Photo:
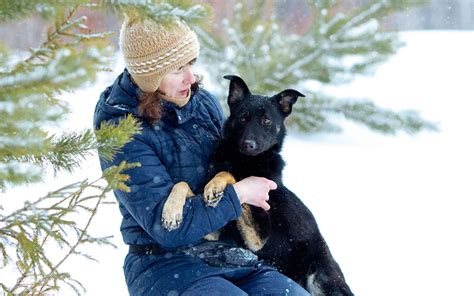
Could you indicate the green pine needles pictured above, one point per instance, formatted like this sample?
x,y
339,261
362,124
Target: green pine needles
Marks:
x,y
337,43
38,237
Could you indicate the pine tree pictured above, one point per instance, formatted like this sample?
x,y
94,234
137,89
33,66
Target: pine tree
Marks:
x,y
255,43
30,106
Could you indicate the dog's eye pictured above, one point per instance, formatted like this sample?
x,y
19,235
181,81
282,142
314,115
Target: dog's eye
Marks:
x,y
266,121
243,118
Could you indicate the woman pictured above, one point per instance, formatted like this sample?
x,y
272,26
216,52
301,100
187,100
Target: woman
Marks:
x,y
180,124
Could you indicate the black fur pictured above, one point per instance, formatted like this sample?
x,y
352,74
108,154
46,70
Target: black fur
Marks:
x,y
252,139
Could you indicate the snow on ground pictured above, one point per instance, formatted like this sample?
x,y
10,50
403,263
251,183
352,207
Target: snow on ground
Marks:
x,y
396,211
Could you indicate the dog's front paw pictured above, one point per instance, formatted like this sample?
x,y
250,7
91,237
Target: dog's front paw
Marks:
x,y
214,191
172,215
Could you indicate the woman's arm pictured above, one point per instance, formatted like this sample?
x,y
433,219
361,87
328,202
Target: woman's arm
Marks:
x,y
150,186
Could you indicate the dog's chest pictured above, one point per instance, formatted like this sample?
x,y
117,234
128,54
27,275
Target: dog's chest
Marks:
x,y
246,167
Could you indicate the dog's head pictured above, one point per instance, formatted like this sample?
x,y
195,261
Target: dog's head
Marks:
x,y
256,121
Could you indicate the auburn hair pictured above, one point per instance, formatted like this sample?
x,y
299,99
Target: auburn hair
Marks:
x,y
150,107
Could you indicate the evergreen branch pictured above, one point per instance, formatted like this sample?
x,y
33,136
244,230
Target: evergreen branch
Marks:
x,y
16,173
383,120
316,114
162,12
14,10
57,194
69,150
22,215
63,153
32,257
44,222
363,15
72,250
116,179
69,70
69,58
5,257
337,47
213,45
301,63
335,33
4,288
52,38
67,33
110,137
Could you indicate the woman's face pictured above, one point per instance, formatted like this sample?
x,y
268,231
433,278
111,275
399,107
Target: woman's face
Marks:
x,y
177,84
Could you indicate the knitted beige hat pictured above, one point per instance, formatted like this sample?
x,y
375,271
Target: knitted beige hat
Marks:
x,y
151,50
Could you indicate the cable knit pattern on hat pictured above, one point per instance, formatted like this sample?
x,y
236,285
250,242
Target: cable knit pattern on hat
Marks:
x,y
151,50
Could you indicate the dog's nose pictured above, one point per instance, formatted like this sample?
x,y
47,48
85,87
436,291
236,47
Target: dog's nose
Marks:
x,y
250,145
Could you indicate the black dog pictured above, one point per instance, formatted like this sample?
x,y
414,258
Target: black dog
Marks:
x,y
287,235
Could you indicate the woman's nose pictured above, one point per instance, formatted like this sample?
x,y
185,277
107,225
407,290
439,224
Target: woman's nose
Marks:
x,y
189,75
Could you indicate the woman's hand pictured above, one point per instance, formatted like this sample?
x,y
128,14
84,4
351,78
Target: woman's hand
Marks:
x,y
254,191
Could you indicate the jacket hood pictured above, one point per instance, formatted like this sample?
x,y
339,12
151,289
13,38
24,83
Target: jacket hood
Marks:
x,y
117,100
121,99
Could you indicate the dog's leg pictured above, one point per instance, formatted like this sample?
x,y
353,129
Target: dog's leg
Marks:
x,y
313,286
172,215
324,282
173,209
213,193
246,225
326,277
214,190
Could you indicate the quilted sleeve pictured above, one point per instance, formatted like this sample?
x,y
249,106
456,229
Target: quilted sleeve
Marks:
x,y
150,185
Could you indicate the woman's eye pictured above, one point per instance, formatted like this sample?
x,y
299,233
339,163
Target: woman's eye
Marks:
x,y
179,70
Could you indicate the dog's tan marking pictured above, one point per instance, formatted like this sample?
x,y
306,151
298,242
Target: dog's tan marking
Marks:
x,y
214,190
246,226
213,236
172,215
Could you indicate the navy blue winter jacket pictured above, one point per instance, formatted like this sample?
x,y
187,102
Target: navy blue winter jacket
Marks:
x,y
176,149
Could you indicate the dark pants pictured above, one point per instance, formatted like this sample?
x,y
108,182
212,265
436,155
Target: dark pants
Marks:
x,y
178,274
269,282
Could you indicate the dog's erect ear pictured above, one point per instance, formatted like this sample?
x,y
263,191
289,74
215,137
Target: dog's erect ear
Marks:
x,y
287,98
237,89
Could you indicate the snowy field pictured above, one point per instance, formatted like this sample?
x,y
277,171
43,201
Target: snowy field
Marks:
x,y
396,211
